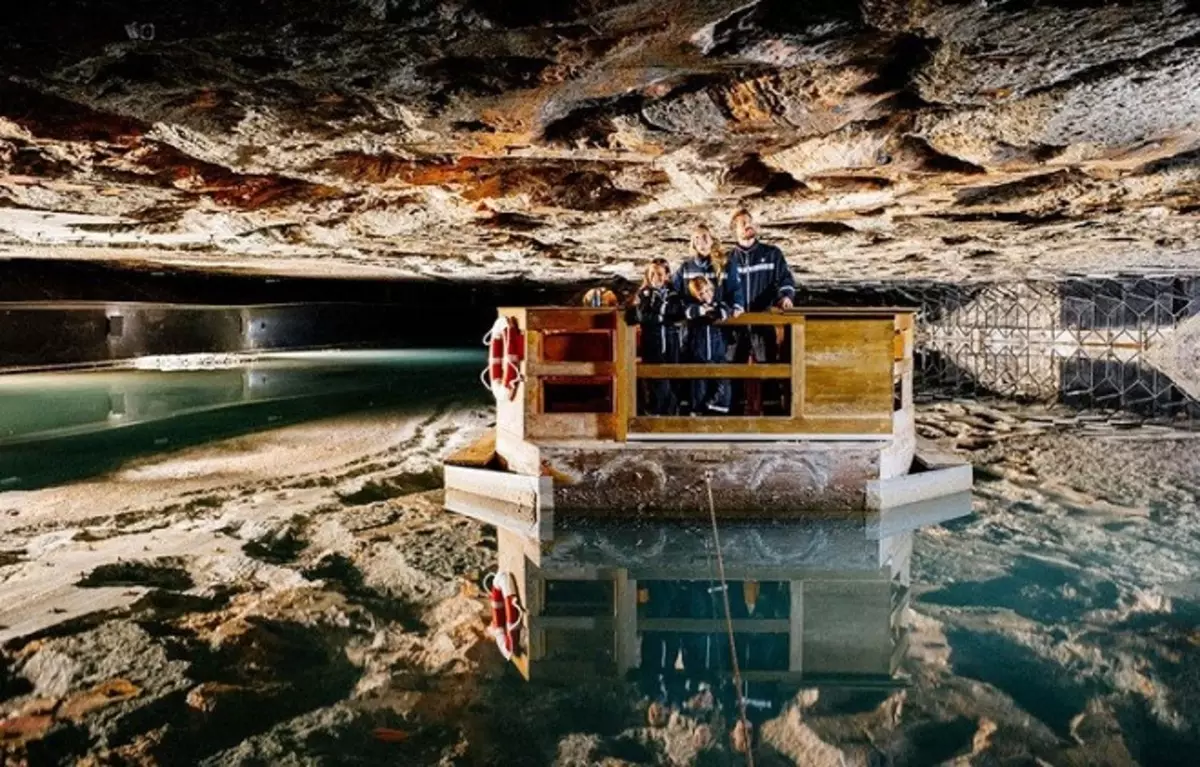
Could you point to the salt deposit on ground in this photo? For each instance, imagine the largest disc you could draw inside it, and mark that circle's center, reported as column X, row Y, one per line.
column 309, row 575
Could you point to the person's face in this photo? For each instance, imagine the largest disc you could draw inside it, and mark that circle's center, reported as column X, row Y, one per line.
column 702, row 243
column 743, row 229
column 706, row 294
column 658, row 276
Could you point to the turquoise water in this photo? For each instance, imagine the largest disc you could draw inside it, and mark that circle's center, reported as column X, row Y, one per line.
column 59, row 426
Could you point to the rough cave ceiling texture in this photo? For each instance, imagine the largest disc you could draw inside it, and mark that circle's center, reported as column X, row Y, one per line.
column 557, row 138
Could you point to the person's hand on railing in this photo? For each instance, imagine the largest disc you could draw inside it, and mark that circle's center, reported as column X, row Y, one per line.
column 785, row 303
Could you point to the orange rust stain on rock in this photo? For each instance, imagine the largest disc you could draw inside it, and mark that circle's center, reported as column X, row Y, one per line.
column 746, row 103
column 208, row 98
column 18, row 730
column 104, row 694
column 171, row 167
column 52, row 117
column 498, row 143
column 571, row 185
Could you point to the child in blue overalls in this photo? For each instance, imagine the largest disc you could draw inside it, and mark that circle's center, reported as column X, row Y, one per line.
column 658, row 309
column 706, row 344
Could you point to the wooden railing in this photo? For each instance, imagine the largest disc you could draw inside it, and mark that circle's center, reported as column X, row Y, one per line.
column 849, row 370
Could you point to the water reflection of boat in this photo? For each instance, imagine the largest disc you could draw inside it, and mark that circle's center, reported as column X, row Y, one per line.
column 604, row 518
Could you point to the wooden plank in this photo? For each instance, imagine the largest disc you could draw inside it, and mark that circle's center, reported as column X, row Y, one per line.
column 519, row 313
column 906, row 375
column 792, row 316
column 741, row 514
column 628, row 380
column 519, row 456
column 840, row 311
column 572, row 319
column 589, row 369
column 478, row 454
column 918, row 487
column 848, row 366
column 703, row 572
column 740, row 426
column 828, row 681
column 580, row 645
column 797, row 370
column 490, row 512
column 533, row 388
column 866, row 311
column 535, row 604
column 934, row 456
column 624, row 395
column 900, row 602
column 510, row 557
column 899, row 652
column 764, row 318
column 575, row 379
column 846, row 626
column 545, row 511
column 571, row 671
column 796, row 637
column 626, row 648
column 563, row 572
column 715, row 625
column 570, row 426
column 585, row 346
column 572, row 622
column 795, row 679
column 519, row 490
column 759, row 437
column 686, row 370
column 899, row 519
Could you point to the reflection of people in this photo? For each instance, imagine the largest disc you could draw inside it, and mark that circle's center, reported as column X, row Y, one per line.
column 708, row 262
column 706, row 344
column 598, row 297
column 766, row 281
column 658, row 309
column 660, row 650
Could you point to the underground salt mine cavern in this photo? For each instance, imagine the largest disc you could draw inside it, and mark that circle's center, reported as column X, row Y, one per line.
column 470, row 382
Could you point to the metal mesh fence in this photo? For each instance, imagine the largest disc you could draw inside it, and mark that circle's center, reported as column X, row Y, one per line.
column 1112, row 344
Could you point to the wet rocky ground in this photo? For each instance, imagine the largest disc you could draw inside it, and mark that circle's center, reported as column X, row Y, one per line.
column 337, row 620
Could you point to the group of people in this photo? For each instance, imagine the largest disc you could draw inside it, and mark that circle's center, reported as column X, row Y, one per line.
column 678, row 312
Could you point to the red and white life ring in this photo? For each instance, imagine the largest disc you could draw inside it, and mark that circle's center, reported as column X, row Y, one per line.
column 507, row 613
column 506, row 352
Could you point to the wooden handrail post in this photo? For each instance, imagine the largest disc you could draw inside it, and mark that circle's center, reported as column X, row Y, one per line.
column 624, row 376
column 797, row 404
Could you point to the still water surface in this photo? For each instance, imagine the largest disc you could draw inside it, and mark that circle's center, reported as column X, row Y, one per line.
column 59, row 426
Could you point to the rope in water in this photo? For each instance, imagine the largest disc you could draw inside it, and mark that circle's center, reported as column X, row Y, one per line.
column 737, row 672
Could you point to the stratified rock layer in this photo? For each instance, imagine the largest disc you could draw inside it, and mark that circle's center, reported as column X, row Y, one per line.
column 556, row 140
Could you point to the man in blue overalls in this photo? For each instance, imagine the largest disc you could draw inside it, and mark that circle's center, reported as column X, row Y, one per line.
column 766, row 281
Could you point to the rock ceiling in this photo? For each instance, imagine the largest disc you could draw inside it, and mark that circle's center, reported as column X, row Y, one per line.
column 492, row 138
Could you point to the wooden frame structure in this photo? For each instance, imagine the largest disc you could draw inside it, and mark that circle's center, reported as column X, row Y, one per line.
column 845, row 370
column 836, row 471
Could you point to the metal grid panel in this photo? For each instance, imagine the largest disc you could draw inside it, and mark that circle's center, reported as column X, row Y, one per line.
column 1080, row 342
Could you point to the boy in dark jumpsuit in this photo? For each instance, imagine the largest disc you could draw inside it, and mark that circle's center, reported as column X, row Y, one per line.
column 706, row 344
column 658, row 309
